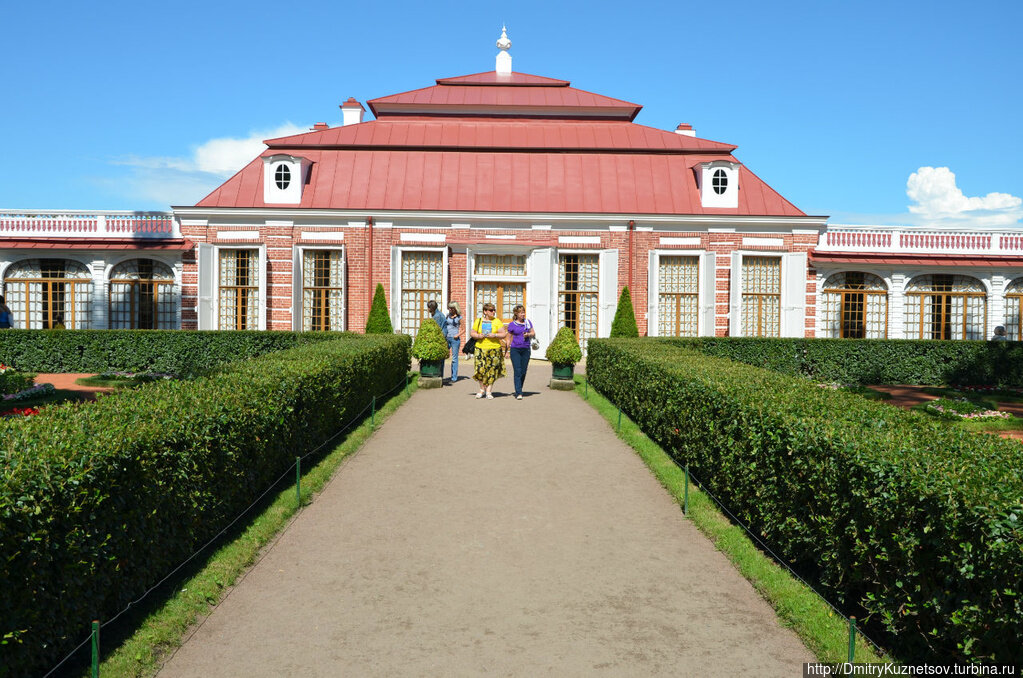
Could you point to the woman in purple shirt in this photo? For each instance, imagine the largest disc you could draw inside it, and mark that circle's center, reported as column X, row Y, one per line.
column 521, row 332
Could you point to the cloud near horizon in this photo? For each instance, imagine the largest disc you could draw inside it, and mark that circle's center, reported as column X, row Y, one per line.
column 938, row 201
column 186, row 180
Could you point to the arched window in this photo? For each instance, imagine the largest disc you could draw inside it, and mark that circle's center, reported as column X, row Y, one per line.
column 48, row 293
column 945, row 307
column 855, row 306
column 141, row 296
column 1014, row 309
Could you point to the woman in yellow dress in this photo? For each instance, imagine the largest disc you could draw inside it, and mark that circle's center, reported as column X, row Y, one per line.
column 488, row 331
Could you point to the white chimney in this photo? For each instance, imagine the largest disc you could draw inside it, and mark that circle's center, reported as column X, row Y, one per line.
column 503, row 66
column 686, row 129
column 351, row 112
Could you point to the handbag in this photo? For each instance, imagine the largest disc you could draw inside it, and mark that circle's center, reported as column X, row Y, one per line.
column 470, row 346
column 535, row 345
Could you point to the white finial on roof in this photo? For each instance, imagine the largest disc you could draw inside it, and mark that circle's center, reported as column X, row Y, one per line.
column 503, row 58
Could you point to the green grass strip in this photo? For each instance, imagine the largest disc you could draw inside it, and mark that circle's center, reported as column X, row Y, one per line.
column 163, row 630
column 822, row 630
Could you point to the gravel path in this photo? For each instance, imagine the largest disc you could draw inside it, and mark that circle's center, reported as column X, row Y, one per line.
column 506, row 538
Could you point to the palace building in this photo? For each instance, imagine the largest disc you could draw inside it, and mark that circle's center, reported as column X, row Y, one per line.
column 507, row 188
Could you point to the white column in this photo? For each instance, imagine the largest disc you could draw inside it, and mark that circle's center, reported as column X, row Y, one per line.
column 897, row 307
column 98, row 318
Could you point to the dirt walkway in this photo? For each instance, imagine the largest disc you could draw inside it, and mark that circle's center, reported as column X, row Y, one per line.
column 506, row 538
column 66, row 382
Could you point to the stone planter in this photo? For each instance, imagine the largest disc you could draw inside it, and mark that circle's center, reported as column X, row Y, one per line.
column 431, row 368
column 562, row 377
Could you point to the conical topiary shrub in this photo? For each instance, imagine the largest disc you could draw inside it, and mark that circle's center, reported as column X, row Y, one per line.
column 379, row 321
column 430, row 344
column 624, row 324
column 564, row 350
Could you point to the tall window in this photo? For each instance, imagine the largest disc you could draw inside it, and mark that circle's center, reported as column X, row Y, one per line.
column 677, row 290
column 323, row 294
column 945, row 307
column 422, row 279
column 48, row 293
column 1014, row 309
column 142, row 296
column 239, row 289
column 761, row 296
column 578, row 287
column 500, row 280
column 855, row 306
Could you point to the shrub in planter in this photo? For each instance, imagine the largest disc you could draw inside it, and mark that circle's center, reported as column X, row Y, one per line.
column 379, row 321
column 564, row 353
column 430, row 348
column 624, row 324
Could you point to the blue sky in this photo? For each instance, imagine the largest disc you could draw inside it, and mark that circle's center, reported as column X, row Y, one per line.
column 848, row 109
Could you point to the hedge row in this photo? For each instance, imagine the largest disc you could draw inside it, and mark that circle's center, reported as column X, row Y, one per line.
column 100, row 500
column 909, row 523
column 874, row 361
column 178, row 352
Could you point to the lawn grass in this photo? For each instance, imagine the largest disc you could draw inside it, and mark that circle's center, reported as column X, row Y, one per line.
column 115, row 382
column 163, row 630
column 822, row 630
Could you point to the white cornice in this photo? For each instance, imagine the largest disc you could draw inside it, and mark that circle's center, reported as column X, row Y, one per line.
column 481, row 219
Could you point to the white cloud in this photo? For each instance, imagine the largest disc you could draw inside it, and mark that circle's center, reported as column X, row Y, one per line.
column 938, row 199
column 186, row 180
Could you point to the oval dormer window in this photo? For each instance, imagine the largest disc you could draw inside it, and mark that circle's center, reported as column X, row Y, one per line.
column 282, row 175
column 719, row 182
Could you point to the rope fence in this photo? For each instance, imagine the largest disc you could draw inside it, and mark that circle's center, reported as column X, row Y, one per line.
column 93, row 637
column 851, row 620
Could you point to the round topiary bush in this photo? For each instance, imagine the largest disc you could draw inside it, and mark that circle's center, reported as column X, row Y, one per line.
column 564, row 350
column 430, row 344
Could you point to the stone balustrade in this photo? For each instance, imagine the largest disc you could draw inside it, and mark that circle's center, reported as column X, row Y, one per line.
column 87, row 224
column 908, row 240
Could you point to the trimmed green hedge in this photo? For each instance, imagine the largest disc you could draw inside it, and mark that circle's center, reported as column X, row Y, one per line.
column 99, row 500
column 874, row 361
column 909, row 523
column 180, row 352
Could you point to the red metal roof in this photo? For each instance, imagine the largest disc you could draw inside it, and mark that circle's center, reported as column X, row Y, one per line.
column 465, row 145
column 519, row 134
column 479, row 97
column 95, row 244
column 511, row 79
column 489, row 181
column 867, row 258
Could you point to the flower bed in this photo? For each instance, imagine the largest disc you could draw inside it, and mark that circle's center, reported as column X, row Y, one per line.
column 962, row 408
column 36, row 391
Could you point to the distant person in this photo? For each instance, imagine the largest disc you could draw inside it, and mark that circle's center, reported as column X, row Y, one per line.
column 6, row 317
column 435, row 313
column 520, row 329
column 58, row 322
column 453, row 332
column 1000, row 334
column 488, row 332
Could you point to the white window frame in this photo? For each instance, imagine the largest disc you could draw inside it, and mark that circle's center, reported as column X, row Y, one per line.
column 298, row 285
column 396, row 284
column 215, row 299
column 472, row 278
column 705, row 293
column 173, row 265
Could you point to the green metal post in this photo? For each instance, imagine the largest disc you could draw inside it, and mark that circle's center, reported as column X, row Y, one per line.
column 619, row 419
column 587, row 390
column 852, row 639
column 298, row 481
column 95, row 649
column 373, row 416
column 685, row 496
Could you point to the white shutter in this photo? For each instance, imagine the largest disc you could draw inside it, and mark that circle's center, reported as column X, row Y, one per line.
column 608, row 294
column 395, row 289
column 206, row 258
column 541, row 296
column 735, row 297
column 793, row 295
column 708, row 294
column 263, row 290
column 296, row 289
column 653, row 296
column 344, row 287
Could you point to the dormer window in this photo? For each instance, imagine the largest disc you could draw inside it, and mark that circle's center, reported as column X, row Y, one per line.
column 720, row 181
column 282, row 175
